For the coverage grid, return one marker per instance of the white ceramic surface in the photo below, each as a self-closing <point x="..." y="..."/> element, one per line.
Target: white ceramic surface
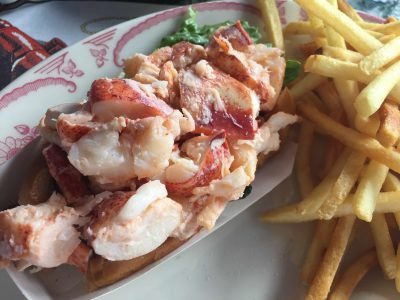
<point x="243" y="260"/>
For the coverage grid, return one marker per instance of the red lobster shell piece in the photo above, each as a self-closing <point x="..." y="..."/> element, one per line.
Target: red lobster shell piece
<point x="71" y="128"/>
<point x="218" y="102"/>
<point x="109" y="98"/>
<point x="257" y="66"/>
<point x="105" y="211"/>
<point x="211" y="167"/>
<point x="71" y="183"/>
<point x="80" y="257"/>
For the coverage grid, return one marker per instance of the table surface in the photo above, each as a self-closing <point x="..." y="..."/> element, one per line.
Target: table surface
<point x="72" y="21"/>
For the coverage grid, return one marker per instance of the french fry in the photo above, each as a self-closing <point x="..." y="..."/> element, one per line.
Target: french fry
<point x="342" y="54"/>
<point x="321" y="41"/>
<point x="380" y="57"/>
<point x="369" y="126"/>
<point x="343" y="185"/>
<point x="391" y="19"/>
<point x="319" y="194"/>
<point x="329" y="96"/>
<point x="316" y="101"/>
<point x="397" y="279"/>
<point x="305" y="85"/>
<point x="370" y="184"/>
<point x="334" y="38"/>
<point x="272" y="22"/>
<point x="346" y="27"/>
<point x="351" y="138"/>
<point x="325" y="274"/>
<point x="387" y="38"/>
<point x="331" y="67"/>
<point x="315" y="252"/>
<point x="373" y="95"/>
<point x="387" y="202"/>
<point x="303" y="27"/>
<point x="353" y="275"/>
<point x="315" y="22"/>
<point x="349" y="10"/>
<point x="384" y="245"/>
<point x="389" y="130"/>
<point x="332" y="153"/>
<point x="389" y="28"/>
<point x="347" y="90"/>
<point x="303" y="165"/>
<point x="375" y="33"/>
<point x="392" y="184"/>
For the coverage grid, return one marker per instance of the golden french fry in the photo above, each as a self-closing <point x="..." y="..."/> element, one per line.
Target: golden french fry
<point x="389" y="28"/>
<point x="384" y="245"/>
<point x="303" y="27"/>
<point x="335" y="68"/>
<point x="303" y="164"/>
<point x="346" y="27"/>
<point x="343" y="185"/>
<point x="332" y="153"/>
<point x="387" y="202"/>
<point x="353" y="275"/>
<point x="392" y="184"/>
<point x="351" y="138"/>
<point x="348" y="91"/>
<point x="343" y="54"/>
<point x="368" y="25"/>
<point x="321" y="41"/>
<point x="272" y="22"/>
<point x="370" y="184"/>
<point x="305" y="85"/>
<point x="315" y="252"/>
<point x="372" y="96"/>
<point x="387" y="38"/>
<point x="326" y="272"/>
<point x="315" y="22"/>
<point x="328" y="94"/>
<point x="389" y="130"/>
<point x="375" y="33"/>
<point x="331" y="67"/>
<point x="334" y="39"/>
<point x="397" y="279"/>
<point x="380" y="57"/>
<point x="349" y="10"/>
<point x="369" y="126"/>
<point x="315" y="100"/>
<point x="321" y="192"/>
<point x="391" y="19"/>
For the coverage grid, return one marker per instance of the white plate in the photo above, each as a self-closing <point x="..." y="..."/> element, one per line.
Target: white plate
<point x="244" y="260"/>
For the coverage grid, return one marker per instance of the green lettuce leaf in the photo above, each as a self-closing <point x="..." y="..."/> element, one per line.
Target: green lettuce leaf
<point x="191" y="32"/>
<point x="292" y="71"/>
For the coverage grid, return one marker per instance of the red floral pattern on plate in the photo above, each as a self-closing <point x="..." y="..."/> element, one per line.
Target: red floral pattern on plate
<point x="13" y="144"/>
<point x="59" y="66"/>
<point x="99" y="51"/>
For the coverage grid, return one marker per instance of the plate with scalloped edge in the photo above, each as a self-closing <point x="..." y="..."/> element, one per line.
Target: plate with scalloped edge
<point x="66" y="77"/>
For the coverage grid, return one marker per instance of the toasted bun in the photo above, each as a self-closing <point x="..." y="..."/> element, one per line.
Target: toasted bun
<point x="102" y="272"/>
<point x="38" y="184"/>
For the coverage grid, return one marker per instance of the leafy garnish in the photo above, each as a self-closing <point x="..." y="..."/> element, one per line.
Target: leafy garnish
<point x="191" y="32"/>
<point x="292" y="71"/>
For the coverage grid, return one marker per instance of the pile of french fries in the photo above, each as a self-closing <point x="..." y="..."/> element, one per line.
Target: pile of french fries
<point x="349" y="94"/>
